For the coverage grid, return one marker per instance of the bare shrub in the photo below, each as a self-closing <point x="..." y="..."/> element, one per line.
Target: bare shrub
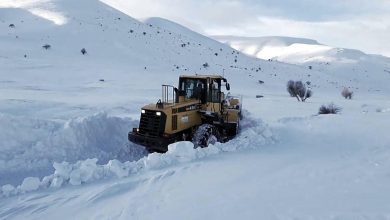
<point x="298" y="89"/>
<point x="291" y="88"/>
<point x="346" y="93"/>
<point x="309" y="94"/>
<point x="329" y="109"/>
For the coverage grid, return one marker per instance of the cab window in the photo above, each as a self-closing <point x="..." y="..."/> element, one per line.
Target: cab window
<point x="214" y="91"/>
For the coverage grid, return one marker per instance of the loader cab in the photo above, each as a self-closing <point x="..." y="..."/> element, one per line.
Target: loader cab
<point x="206" y="89"/>
<point x="192" y="88"/>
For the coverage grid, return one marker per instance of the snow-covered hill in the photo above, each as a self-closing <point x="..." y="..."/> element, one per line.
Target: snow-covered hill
<point x="348" y="64"/>
<point x="297" y="50"/>
<point x="263" y="47"/>
<point x="60" y="109"/>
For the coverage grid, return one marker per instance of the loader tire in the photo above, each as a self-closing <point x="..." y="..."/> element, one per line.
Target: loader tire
<point x="205" y="134"/>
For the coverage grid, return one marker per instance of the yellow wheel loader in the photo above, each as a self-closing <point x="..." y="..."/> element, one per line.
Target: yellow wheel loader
<point x="197" y="110"/>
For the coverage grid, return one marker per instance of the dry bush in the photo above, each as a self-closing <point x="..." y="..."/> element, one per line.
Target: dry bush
<point x="329" y="109"/>
<point x="298" y="89"/>
<point x="346" y="93"/>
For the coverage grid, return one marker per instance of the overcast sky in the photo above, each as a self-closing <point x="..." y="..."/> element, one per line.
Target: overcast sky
<point x="358" y="24"/>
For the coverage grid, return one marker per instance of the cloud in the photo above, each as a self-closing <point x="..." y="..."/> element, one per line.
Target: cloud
<point x="369" y="34"/>
<point x="322" y="10"/>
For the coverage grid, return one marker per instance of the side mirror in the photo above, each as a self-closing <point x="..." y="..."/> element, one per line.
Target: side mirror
<point x="227" y="86"/>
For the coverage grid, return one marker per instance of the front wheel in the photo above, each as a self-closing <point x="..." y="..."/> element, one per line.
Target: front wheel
<point x="205" y="134"/>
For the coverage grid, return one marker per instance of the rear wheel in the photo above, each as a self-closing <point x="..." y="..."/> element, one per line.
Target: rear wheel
<point x="150" y="151"/>
<point x="205" y="134"/>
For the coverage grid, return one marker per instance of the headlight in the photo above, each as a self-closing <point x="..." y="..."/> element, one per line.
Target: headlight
<point x="158" y="113"/>
<point x="143" y="111"/>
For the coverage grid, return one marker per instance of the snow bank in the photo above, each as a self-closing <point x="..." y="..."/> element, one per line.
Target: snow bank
<point x="32" y="145"/>
<point x="254" y="134"/>
<point x="8" y="190"/>
<point x="30" y="184"/>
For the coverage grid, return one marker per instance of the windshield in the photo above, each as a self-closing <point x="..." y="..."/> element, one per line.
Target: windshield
<point x="193" y="88"/>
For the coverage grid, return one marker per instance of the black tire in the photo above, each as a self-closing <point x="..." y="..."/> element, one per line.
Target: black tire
<point x="204" y="135"/>
<point x="233" y="129"/>
<point x="150" y="151"/>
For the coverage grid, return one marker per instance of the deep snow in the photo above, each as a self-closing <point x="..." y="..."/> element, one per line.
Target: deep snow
<point x="321" y="176"/>
<point x="64" y="119"/>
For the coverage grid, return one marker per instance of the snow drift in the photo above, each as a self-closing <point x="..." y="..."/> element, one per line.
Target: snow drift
<point x="254" y="135"/>
<point x="32" y="145"/>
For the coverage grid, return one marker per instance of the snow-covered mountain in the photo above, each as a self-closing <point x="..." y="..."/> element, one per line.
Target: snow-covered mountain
<point x="64" y="118"/>
<point x="348" y="64"/>
<point x="297" y="50"/>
